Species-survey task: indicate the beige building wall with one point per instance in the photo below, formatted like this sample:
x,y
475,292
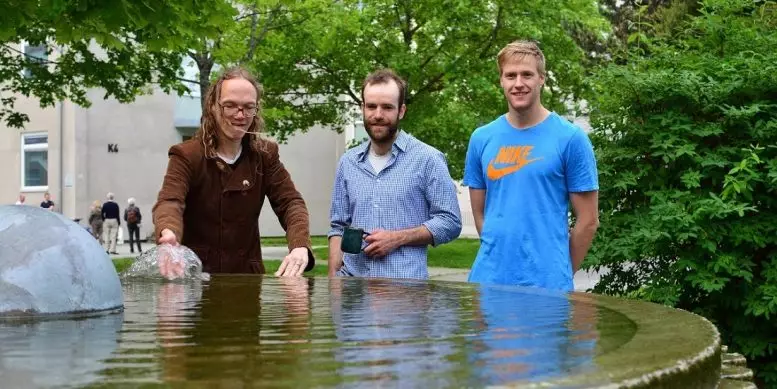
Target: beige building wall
x,y
141,133
41,121
311,159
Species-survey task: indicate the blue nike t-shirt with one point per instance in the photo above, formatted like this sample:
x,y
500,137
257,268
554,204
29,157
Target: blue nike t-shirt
x,y
528,175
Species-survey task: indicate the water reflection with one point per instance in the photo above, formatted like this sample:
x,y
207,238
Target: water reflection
x,y
250,331
56,352
236,335
397,331
532,336
421,334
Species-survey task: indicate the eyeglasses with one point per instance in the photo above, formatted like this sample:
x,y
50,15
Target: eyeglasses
x,y
230,109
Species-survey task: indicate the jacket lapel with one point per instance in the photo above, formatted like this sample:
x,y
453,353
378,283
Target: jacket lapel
x,y
243,177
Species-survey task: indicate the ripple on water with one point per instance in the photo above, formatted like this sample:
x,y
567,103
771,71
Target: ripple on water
x,y
268,332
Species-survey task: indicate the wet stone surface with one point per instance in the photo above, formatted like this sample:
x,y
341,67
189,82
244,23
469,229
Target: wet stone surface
x,y
50,265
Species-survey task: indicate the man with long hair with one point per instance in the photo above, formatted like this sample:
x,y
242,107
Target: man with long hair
x,y
523,170
216,183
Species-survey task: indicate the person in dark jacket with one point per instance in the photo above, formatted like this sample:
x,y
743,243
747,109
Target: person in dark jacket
x,y
47,203
132,216
111,224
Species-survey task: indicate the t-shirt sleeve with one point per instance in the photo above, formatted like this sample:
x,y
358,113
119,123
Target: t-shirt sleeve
x,y
473,168
580,164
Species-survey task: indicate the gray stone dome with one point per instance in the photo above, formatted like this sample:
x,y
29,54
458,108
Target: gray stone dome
x,y
52,265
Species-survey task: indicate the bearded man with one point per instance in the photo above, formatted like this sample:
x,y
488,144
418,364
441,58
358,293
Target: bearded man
x,y
393,187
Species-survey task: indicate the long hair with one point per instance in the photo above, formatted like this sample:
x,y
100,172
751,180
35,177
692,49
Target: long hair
x,y
212,119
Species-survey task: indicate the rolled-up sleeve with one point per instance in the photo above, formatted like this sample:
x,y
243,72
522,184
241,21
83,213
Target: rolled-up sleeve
x,y
445,216
339,214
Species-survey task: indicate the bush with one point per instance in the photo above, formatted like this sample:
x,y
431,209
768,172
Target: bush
x,y
686,139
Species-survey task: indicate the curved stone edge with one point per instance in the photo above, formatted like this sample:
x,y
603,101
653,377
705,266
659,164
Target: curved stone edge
x,y
23,317
671,348
53,278
685,348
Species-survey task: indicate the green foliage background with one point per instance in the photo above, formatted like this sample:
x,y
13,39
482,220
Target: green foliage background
x,y
686,140
314,58
120,46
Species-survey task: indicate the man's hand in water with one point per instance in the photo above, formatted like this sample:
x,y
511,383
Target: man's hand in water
x,y
294,264
168,266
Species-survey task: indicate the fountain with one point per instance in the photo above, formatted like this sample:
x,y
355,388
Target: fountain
x,y
263,331
51,265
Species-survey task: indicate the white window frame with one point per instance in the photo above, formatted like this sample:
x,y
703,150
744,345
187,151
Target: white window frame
x,y
36,147
23,45
353,130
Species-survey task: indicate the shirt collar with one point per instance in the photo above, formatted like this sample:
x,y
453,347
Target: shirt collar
x,y
403,139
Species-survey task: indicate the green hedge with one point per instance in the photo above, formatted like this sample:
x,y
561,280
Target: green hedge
x,y
686,140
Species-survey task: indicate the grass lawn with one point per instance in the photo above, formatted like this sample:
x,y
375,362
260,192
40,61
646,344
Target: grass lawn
x,y
459,254
320,269
318,240
122,264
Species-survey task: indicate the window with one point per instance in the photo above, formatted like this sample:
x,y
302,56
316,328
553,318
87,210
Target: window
x,y
35,162
359,134
184,138
34,56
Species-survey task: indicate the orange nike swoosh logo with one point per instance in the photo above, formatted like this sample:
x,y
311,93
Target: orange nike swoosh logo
x,y
494,173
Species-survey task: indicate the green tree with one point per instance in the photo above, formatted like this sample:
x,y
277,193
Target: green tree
x,y
120,46
238,40
446,50
686,139
257,38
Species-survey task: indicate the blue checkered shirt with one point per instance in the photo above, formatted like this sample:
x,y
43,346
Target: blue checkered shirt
x,y
413,189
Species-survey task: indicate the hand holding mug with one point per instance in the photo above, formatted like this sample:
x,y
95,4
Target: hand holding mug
x,y
381,243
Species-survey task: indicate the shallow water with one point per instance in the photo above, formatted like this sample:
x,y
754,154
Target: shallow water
x,y
254,331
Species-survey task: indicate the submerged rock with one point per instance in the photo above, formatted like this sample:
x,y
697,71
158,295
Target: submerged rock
x,y
51,265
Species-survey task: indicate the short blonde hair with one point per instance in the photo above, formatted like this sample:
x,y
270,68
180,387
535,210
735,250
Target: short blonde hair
x,y
518,51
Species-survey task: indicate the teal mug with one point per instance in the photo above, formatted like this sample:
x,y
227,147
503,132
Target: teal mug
x,y
352,240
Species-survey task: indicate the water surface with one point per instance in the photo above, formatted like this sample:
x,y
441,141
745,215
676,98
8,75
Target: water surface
x,y
254,331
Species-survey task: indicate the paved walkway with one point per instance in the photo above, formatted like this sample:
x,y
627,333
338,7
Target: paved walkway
x,y
583,280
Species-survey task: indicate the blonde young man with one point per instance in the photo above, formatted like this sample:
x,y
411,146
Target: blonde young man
x,y
523,170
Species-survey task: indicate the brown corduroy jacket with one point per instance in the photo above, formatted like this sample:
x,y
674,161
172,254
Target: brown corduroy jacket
x,y
214,209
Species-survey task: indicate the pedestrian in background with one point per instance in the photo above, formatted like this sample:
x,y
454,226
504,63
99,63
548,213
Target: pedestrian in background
x,y
111,224
96,220
132,216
